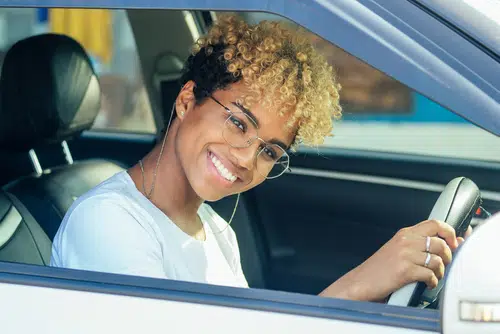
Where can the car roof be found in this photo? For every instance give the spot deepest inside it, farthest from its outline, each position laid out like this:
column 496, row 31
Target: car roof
column 397, row 37
column 482, row 21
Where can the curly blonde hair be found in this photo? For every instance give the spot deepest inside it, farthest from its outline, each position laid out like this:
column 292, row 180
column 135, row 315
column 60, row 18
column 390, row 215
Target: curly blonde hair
column 280, row 68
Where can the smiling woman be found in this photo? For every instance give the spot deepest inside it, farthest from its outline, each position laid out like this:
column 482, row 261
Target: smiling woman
column 249, row 94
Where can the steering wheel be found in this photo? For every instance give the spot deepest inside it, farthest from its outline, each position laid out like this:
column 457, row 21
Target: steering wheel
column 456, row 206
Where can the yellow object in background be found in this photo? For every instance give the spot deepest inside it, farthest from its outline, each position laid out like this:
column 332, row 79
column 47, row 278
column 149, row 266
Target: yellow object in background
column 90, row 27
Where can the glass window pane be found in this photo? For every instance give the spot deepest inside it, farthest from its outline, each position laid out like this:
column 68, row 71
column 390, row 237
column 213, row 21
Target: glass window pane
column 107, row 37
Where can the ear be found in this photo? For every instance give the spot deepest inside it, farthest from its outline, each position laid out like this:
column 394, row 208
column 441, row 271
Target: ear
column 185, row 101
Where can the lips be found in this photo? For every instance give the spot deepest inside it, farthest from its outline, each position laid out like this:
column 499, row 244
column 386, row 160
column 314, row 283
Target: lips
column 221, row 168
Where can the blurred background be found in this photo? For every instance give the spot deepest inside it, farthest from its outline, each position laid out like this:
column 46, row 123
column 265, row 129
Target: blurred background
column 380, row 114
column 107, row 37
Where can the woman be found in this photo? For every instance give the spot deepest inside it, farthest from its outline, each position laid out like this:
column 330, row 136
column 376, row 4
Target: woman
column 250, row 94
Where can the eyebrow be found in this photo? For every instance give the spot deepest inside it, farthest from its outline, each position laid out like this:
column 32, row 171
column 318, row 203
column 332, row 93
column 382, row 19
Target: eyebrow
column 253, row 118
column 248, row 113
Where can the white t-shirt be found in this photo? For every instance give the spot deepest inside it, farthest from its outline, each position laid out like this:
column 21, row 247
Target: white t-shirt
column 114, row 228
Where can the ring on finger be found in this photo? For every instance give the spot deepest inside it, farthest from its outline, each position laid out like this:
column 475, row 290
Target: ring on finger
column 427, row 260
column 428, row 244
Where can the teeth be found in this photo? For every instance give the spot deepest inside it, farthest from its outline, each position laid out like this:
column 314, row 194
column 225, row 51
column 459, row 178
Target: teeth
column 223, row 171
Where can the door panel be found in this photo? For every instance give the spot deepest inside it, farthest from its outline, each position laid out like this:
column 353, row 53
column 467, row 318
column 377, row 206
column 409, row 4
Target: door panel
column 60, row 301
column 321, row 221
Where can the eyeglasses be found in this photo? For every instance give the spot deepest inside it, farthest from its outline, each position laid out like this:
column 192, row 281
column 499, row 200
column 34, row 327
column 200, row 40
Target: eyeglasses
column 241, row 131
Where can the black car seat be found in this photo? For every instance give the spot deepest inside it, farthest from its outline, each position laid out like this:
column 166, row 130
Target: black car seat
column 22, row 240
column 49, row 93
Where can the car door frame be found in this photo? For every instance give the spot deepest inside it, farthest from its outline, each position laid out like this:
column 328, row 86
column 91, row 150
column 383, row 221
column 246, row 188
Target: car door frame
column 343, row 313
column 419, row 58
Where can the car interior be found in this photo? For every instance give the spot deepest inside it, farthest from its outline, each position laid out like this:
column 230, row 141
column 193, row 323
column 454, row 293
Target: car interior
column 297, row 233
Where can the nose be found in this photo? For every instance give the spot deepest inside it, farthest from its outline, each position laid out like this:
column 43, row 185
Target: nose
column 245, row 156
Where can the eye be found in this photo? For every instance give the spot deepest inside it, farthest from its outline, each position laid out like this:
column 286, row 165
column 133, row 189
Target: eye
column 238, row 123
column 270, row 153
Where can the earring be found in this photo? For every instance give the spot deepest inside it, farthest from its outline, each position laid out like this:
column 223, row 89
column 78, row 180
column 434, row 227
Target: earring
column 182, row 113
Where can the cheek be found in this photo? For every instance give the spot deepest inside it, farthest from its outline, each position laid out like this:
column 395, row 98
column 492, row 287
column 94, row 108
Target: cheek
column 193, row 132
column 194, row 137
column 204, row 124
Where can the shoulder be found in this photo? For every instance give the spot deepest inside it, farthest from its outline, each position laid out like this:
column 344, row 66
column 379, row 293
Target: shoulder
column 100, row 215
column 100, row 205
column 104, row 212
column 103, row 232
column 110, row 201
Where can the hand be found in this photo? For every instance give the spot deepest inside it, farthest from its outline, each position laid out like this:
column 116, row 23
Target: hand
column 399, row 262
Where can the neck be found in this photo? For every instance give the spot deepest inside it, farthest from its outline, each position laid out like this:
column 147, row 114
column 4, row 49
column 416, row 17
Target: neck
column 173, row 193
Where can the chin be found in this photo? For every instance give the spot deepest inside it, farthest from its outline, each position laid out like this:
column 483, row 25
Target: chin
column 210, row 195
column 208, row 191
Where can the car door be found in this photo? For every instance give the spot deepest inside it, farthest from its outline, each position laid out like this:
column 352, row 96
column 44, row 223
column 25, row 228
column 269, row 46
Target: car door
column 56, row 300
column 49, row 300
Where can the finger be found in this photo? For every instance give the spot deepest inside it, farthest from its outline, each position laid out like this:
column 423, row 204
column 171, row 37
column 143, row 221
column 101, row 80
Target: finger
column 437, row 228
column 440, row 248
column 460, row 240
column 423, row 274
column 437, row 246
column 435, row 264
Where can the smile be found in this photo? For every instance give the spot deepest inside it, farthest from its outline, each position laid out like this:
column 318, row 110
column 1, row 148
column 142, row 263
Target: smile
column 223, row 171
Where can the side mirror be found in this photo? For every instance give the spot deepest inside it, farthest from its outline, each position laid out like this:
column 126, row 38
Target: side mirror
column 471, row 300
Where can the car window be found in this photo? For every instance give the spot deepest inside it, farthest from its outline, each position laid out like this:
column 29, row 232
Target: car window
column 107, row 37
column 381, row 114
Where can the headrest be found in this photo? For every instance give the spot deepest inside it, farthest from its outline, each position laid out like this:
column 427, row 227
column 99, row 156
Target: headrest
column 167, row 75
column 48, row 92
